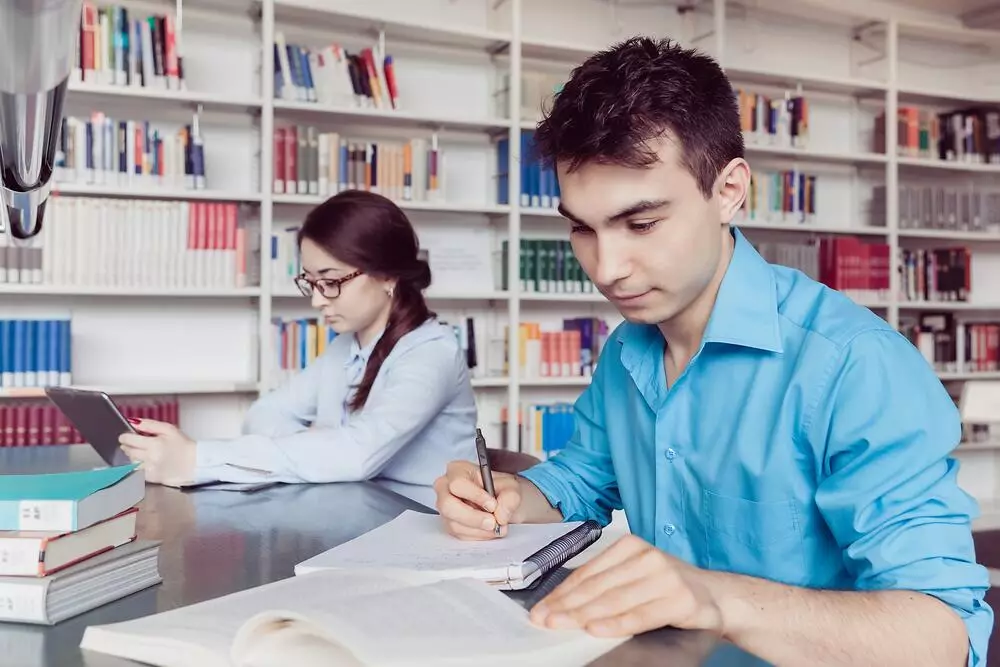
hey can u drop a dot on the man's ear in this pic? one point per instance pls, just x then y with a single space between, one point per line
731 187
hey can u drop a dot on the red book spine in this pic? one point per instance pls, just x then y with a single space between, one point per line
279 161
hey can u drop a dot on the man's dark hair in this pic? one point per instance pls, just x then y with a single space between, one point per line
621 98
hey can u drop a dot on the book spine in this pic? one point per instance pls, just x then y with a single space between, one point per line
38 515
19 556
23 602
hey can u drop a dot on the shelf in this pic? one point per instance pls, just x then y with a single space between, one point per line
563 297
557 381
152 192
809 228
490 382
816 156
919 95
968 375
809 82
930 163
535 212
75 290
208 100
441 207
390 117
985 446
149 389
431 32
431 295
950 235
556 50
948 305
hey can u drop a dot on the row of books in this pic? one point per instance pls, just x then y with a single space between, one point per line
333 75
936 274
546 265
26 422
783 196
120 48
543 431
923 206
35 353
68 543
848 264
102 150
953 345
772 121
129 243
572 351
296 343
308 161
965 135
539 185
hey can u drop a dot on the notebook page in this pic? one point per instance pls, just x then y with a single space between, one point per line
450 622
418 542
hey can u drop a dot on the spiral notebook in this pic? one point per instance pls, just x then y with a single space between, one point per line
417 543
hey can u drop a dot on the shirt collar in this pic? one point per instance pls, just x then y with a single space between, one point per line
358 353
746 307
745 311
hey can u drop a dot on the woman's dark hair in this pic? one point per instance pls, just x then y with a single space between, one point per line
372 234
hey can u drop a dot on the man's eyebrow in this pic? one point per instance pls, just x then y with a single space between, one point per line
564 212
643 206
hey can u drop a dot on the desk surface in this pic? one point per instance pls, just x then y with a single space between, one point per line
219 542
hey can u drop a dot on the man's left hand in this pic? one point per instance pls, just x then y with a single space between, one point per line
631 588
166 455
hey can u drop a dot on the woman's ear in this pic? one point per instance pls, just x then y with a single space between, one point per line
390 287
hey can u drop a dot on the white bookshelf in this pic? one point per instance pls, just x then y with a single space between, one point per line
450 57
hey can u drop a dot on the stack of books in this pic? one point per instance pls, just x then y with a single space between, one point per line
68 543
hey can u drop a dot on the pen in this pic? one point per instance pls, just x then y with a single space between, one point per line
485 471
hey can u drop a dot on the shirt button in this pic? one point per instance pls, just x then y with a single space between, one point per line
669 529
670 454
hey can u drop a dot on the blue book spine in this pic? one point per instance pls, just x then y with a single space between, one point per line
344 163
20 348
31 343
6 353
52 352
305 354
65 353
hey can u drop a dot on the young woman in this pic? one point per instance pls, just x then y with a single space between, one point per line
390 396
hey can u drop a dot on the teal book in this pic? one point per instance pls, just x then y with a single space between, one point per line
68 501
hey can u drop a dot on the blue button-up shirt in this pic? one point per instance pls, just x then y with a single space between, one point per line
807 442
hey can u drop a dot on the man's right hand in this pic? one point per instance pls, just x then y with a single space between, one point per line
469 512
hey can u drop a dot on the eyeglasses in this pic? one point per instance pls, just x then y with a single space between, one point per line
328 287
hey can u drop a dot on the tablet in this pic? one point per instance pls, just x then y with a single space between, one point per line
96 417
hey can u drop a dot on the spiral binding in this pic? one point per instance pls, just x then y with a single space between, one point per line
566 547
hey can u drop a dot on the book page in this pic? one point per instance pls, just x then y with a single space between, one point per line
450 622
347 618
210 627
418 542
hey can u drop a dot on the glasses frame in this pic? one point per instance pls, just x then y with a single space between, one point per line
328 287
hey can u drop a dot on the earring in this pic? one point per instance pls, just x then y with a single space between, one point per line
390 291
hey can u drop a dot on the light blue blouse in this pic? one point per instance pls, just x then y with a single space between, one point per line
420 414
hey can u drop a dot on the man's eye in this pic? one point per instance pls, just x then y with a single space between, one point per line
579 229
642 226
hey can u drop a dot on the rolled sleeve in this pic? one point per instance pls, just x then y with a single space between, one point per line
580 479
889 489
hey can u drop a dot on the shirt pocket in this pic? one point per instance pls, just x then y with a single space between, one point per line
754 537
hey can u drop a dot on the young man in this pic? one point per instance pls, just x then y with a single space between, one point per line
781 453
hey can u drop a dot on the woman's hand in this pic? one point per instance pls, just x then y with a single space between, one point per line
164 453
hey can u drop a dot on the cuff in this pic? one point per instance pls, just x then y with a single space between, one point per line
555 490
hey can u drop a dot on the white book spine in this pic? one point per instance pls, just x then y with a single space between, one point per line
22 601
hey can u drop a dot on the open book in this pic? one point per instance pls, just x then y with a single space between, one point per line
416 542
349 618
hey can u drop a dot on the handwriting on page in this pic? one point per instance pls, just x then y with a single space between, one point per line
417 541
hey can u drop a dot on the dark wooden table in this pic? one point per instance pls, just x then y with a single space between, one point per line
218 542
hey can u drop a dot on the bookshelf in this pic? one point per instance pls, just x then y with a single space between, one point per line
455 61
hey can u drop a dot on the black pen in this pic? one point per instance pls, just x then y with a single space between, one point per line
485 471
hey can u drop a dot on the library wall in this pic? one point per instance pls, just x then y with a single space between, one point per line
170 243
